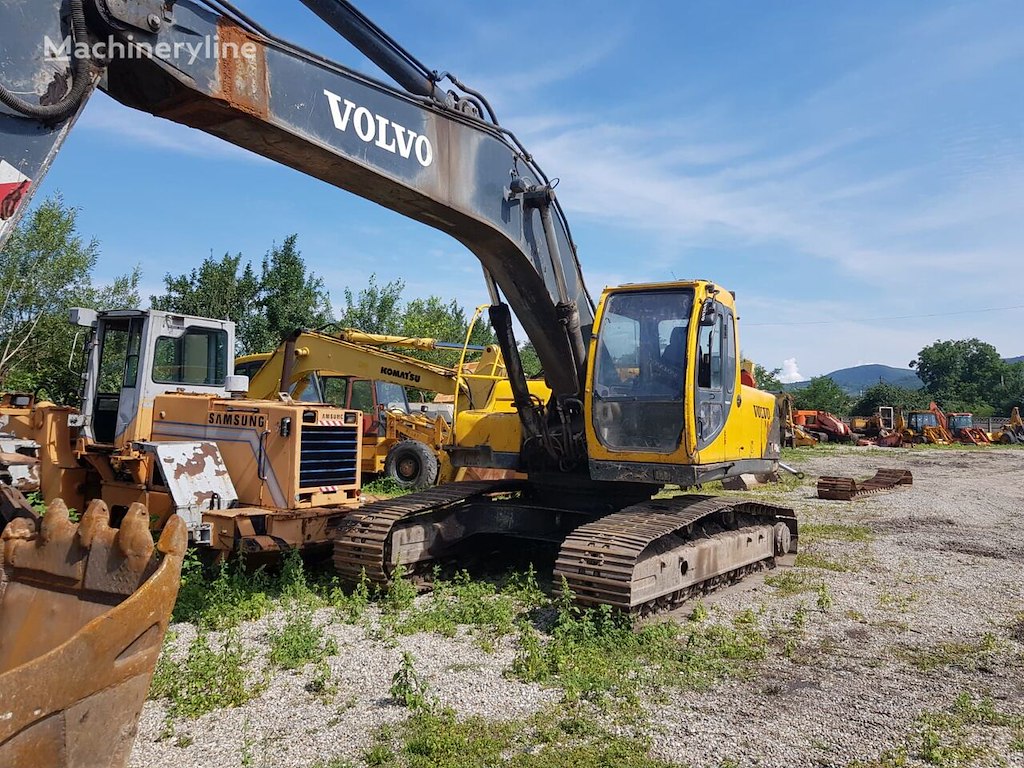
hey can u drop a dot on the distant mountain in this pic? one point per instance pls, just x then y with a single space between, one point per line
858 378
1014 359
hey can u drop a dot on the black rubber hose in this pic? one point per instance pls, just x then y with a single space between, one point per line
81 79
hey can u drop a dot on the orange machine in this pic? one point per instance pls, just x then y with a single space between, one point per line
163 423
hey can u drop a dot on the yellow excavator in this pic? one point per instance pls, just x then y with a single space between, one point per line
352 369
1012 432
645 383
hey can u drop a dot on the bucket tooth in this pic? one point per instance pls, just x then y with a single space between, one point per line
133 538
56 523
174 538
94 522
19 528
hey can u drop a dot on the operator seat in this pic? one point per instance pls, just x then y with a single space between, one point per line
675 353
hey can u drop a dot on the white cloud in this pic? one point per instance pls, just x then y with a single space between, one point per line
790 372
105 116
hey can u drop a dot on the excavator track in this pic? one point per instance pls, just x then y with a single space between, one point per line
657 554
363 545
847 488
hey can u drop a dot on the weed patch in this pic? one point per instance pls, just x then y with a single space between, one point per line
548 740
300 641
789 582
896 602
408 688
820 562
949 738
480 604
235 594
971 656
210 678
384 487
595 654
833 531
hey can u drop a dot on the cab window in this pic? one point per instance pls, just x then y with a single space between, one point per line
199 356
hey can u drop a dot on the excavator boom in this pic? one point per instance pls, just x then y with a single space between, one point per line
430 157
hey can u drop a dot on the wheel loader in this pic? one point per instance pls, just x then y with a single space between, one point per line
164 423
416 450
1013 431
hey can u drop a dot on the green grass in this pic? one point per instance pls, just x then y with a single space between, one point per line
299 641
440 739
211 677
335 762
597 655
225 596
810 532
408 688
385 487
801 455
806 559
789 582
895 601
948 738
492 610
975 655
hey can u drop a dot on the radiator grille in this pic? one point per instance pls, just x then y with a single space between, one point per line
329 456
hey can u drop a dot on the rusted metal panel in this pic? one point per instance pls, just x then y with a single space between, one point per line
196 477
242 70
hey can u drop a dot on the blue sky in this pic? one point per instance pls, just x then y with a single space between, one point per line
834 164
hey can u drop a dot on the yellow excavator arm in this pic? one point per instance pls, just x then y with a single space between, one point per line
360 355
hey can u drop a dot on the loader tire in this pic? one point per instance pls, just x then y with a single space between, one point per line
412 465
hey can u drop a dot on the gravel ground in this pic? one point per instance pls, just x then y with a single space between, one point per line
941 564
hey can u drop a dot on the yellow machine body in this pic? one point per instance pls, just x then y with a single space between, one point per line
664 402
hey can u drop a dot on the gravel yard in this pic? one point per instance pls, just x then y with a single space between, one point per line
898 640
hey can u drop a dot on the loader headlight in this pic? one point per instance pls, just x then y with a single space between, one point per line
351 418
286 426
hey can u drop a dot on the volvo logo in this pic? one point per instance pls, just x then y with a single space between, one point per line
379 131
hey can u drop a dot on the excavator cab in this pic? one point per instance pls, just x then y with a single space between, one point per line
918 420
959 421
640 370
664 398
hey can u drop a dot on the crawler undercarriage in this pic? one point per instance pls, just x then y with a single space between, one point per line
639 557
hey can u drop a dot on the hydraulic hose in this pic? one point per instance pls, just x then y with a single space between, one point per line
81 79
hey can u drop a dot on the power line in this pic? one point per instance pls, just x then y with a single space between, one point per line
890 317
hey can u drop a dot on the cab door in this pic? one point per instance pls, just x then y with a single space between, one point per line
115 403
716 379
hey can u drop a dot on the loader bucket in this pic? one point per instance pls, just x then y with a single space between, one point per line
83 613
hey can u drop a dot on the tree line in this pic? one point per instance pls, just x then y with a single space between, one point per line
47 267
965 375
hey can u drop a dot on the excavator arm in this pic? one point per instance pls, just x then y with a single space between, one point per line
306 352
429 154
